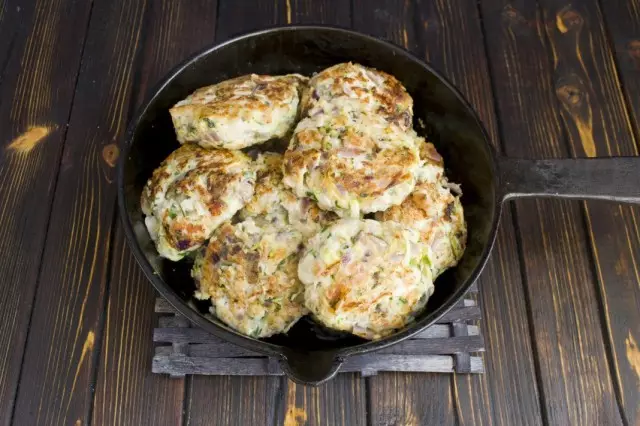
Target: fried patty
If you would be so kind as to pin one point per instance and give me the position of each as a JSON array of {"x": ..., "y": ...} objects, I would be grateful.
[
  {"x": 240, "y": 112},
  {"x": 365, "y": 277},
  {"x": 249, "y": 272},
  {"x": 191, "y": 193},
  {"x": 375, "y": 91},
  {"x": 437, "y": 214},
  {"x": 351, "y": 161},
  {"x": 277, "y": 203}
]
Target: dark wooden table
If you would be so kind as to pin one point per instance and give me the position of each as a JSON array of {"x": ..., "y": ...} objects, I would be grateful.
[{"x": 560, "y": 296}]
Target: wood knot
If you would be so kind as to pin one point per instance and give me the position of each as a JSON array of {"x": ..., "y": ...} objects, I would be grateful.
[
  {"x": 570, "y": 93},
  {"x": 568, "y": 19},
  {"x": 110, "y": 154}
]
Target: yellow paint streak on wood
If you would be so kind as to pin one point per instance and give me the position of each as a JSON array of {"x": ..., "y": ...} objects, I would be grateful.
[
  {"x": 585, "y": 130},
  {"x": 295, "y": 416},
  {"x": 559, "y": 22},
  {"x": 405, "y": 38},
  {"x": 633, "y": 354},
  {"x": 86, "y": 348},
  {"x": 288, "y": 5},
  {"x": 24, "y": 143}
]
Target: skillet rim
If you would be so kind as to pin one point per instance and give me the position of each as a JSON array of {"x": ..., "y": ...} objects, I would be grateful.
[{"x": 259, "y": 345}]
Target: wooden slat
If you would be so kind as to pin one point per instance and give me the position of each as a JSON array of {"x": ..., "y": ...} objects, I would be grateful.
[
  {"x": 125, "y": 391},
  {"x": 232, "y": 400},
  {"x": 59, "y": 364},
  {"x": 615, "y": 232},
  {"x": 411, "y": 364},
  {"x": 539, "y": 102},
  {"x": 584, "y": 54},
  {"x": 70, "y": 304},
  {"x": 461, "y": 314},
  {"x": 177, "y": 364},
  {"x": 40, "y": 48},
  {"x": 622, "y": 18},
  {"x": 339, "y": 402},
  {"x": 444, "y": 330},
  {"x": 334, "y": 12},
  {"x": 448, "y": 35}
]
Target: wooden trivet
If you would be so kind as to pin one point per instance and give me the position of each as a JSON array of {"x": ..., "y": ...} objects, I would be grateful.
[{"x": 445, "y": 347}]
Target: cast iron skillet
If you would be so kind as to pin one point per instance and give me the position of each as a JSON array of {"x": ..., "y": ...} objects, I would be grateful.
[{"x": 308, "y": 353}]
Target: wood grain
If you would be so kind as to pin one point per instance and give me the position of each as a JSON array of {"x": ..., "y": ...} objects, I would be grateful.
[
  {"x": 40, "y": 48},
  {"x": 340, "y": 402},
  {"x": 448, "y": 35},
  {"x": 334, "y": 12},
  {"x": 126, "y": 392},
  {"x": 616, "y": 240},
  {"x": 622, "y": 22},
  {"x": 586, "y": 85},
  {"x": 544, "y": 91},
  {"x": 72, "y": 372},
  {"x": 60, "y": 364},
  {"x": 232, "y": 400}
]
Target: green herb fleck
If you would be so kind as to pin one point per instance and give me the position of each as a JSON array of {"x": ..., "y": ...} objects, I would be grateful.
[
  {"x": 403, "y": 300},
  {"x": 210, "y": 123}
]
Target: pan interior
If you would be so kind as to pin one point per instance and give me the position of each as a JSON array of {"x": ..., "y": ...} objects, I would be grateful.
[{"x": 448, "y": 122}]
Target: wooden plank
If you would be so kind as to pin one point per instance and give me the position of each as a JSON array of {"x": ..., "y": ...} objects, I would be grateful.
[
  {"x": 573, "y": 369},
  {"x": 411, "y": 364},
  {"x": 622, "y": 18},
  {"x": 341, "y": 401},
  {"x": 125, "y": 392},
  {"x": 614, "y": 230},
  {"x": 178, "y": 364},
  {"x": 71, "y": 301},
  {"x": 448, "y": 35},
  {"x": 40, "y": 48},
  {"x": 334, "y": 12},
  {"x": 232, "y": 400},
  {"x": 59, "y": 364}
]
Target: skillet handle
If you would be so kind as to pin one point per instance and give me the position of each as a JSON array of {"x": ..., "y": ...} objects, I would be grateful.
[
  {"x": 310, "y": 368},
  {"x": 613, "y": 178}
]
